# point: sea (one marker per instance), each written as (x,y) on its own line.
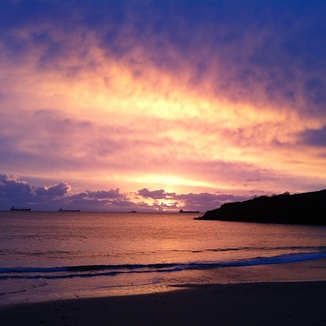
(59,255)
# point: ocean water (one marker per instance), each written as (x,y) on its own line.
(53,255)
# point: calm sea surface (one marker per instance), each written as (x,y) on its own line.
(49,255)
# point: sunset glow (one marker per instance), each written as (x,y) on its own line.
(117,96)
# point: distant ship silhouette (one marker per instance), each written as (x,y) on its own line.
(22,209)
(182,211)
(68,210)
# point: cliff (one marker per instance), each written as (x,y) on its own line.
(305,208)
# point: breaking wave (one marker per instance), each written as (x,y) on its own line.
(112,270)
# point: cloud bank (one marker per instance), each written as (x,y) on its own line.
(14,191)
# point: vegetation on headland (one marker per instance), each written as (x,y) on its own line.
(305,208)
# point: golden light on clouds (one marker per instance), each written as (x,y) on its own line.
(200,104)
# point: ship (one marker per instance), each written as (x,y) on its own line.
(68,210)
(20,209)
(193,212)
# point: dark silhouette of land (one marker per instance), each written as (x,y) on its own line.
(305,208)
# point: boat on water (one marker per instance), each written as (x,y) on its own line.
(68,210)
(20,209)
(182,211)
(133,211)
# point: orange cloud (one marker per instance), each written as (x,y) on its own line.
(197,107)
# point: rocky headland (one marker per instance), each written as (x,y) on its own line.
(305,208)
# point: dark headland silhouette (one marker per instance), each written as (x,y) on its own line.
(305,208)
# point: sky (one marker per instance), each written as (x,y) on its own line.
(160,105)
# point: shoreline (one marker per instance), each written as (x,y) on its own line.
(280,294)
(266,303)
(302,271)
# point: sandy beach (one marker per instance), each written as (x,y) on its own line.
(283,303)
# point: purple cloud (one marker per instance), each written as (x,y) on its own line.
(14,191)
(56,190)
(10,185)
(205,201)
(111,200)
(155,194)
(110,194)
(201,201)
(315,137)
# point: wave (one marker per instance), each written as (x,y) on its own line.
(112,270)
(279,248)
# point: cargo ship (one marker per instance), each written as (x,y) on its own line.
(194,212)
(20,209)
(68,210)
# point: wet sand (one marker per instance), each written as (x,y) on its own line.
(280,303)
(281,294)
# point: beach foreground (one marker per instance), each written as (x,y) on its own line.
(273,303)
